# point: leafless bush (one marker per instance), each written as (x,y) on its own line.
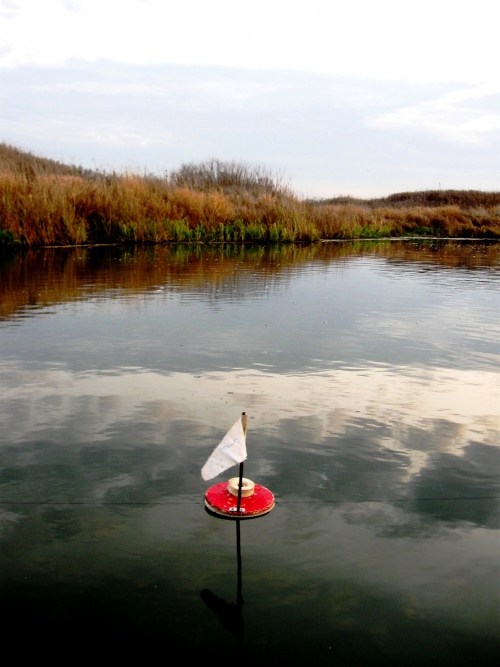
(229,177)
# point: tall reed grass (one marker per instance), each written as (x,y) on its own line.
(44,202)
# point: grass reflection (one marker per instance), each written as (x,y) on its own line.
(33,279)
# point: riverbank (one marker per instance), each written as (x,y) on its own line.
(45,202)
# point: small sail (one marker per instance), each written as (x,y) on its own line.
(229,452)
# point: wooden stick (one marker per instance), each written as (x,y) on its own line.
(244,422)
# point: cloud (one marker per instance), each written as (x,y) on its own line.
(9,9)
(72,5)
(227,88)
(331,135)
(114,133)
(382,39)
(454,116)
(107,89)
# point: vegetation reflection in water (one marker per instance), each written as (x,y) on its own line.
(371,374)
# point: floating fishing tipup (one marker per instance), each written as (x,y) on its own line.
(239,498)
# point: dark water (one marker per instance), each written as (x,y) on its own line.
(371,376)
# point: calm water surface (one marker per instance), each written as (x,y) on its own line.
(371,376)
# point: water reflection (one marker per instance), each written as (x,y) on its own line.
(253,308)
(34,279)
(230,614)
(370,372)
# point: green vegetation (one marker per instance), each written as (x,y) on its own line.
(45,202)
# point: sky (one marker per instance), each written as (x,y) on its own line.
(364,97)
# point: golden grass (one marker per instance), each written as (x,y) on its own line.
(47,203)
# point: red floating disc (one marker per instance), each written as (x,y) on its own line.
(219,501)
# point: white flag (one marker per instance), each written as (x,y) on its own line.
(232,450)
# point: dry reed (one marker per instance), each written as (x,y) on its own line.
(44,202)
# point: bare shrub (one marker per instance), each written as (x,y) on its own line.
(229,176)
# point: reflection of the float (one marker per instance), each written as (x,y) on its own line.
(230,614)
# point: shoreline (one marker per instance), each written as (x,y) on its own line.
(124,244)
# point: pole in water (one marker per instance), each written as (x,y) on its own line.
(239,597)
(244,423)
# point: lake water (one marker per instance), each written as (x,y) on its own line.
(370,372)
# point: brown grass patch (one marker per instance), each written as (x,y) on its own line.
(44,202)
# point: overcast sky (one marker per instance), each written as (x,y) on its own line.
(363,97)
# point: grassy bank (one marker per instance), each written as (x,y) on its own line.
(44,202)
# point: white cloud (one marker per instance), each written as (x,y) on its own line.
(73,5)
(107,89)
(230,89)
(450,40)
(113,133)
(8,7)
(449,116)
(326,133)
(235,90)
